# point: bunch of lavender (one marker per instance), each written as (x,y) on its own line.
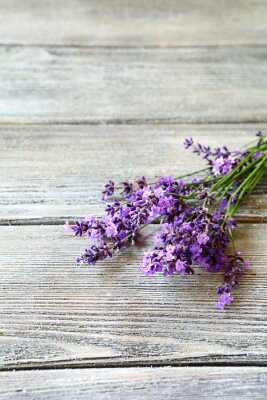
(195,216)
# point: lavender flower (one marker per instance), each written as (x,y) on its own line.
(127,189)
(109,190)
(223,165)
(190,233)
(224,299)
(188,143)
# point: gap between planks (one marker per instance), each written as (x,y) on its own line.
(129,46)
(81,364)
(133,121)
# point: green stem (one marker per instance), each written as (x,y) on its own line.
(232,239)
(248,184)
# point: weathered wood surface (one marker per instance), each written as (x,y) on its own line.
(86,87)
(136,383)
(133,23)
(53,173)
(55,313)
(75,85)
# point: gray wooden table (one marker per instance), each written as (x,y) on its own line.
(92,90)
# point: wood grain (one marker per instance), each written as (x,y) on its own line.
(93,90)
(136,383)
(52,173)
(54,313)
(133,23)
(214,84)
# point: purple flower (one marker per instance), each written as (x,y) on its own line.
(111,230)
(141,182)
(223,165)
(95,254)
(202,238)
(147,264)
(111,209)
(180,267)
(223,203)
(80,228)
(246,264)
(127,188)
(224,299)
(188,143)
(108,190)
(165,181)
(195,250)
(257,155)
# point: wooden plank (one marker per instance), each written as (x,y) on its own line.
(54,313)
(138,23)
(136,383)
(52,173)
(214,84)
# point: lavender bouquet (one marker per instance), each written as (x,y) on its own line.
(195,216)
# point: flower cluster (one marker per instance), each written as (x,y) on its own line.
(195,217)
